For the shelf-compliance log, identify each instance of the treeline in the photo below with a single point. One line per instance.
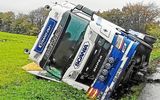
(29, 24)
(139, 17)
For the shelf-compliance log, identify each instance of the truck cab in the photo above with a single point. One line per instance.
(84, 50)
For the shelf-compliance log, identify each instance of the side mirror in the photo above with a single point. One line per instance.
(26, 51)
(47, 7)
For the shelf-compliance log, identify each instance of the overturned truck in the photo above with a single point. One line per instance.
(88, 52)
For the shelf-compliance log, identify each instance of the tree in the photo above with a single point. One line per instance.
(1, 21)
(137, 16)
(114, 15)
(6, 21)
(21, 25)
(153, 29)
(134, 16)
(38, 17)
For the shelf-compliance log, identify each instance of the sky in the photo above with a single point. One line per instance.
(25, 6)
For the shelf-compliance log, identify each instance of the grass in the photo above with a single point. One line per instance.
(154, 60)
(155, 57)
(16, 84)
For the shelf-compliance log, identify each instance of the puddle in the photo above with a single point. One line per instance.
(150, 92)
(152, 89)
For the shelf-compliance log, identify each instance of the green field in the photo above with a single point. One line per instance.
(16, 84)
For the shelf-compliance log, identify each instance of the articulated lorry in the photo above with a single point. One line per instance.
(79, 48)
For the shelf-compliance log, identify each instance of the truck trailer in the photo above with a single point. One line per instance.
(80, 48)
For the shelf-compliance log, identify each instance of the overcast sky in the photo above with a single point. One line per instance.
(25, 6)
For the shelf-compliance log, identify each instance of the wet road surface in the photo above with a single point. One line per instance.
(151, 90)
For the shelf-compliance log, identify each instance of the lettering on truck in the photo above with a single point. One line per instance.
(45, 35)
(81, 54)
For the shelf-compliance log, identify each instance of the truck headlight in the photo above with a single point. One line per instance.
(104, 72)
(111, 60)
(101, 78)
(107, 66)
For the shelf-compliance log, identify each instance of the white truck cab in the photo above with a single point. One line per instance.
(84, 50)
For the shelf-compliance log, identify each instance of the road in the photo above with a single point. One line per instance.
(151, 91)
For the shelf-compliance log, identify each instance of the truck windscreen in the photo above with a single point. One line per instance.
(69, 42)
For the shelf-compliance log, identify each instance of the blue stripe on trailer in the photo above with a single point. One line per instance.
(116, 65)
(129, 55)
(133, 49)
(114, 40)
(118, 62)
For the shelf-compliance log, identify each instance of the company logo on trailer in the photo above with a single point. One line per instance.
(81, 54)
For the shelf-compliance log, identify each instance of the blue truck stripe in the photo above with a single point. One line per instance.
(45, 35)
(117, 54)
